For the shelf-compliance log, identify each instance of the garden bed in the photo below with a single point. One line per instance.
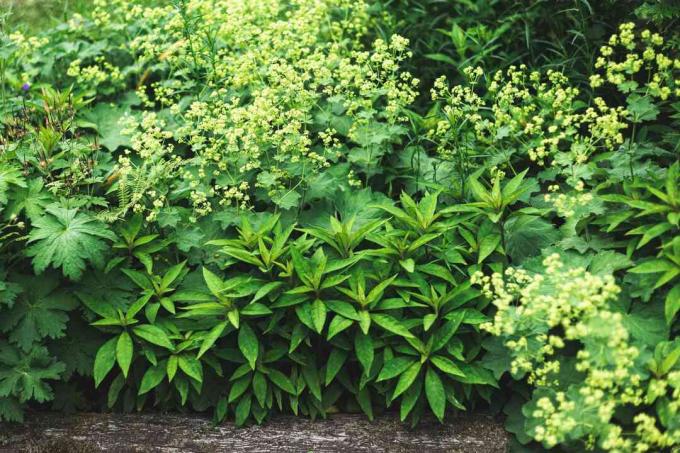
(259, 209)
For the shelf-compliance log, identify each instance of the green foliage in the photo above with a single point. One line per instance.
(23, 376)
(260, 207)
(303, 320)
(66, 238)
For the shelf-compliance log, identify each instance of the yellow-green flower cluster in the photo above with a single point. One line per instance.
(461, 106)
(262, 73)
(635, 59)
(21, 48)
(139, 180)
(566, 203)
(95, 74)
(27, 45)
(537, 315)
(532, 114)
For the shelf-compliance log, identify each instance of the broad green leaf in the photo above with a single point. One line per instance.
(234, 318)
(364, 321)
(514, 188)
(255, 309)
(31, 199)
(298, 335)
(652, 266)
(182, 386)
(448, 329)
(410, 398)
(301, 267)
(343, 308)
(311, 376)
(172, 274)
(408, 264)
(376, 293)
(137, 306)
(287, 199)
(66, 238)
(527, 235)
(243, 255)
(107, 118)
(428, 320)
(239, 386)
(670, 360)
(114, 390)
(364, 400)
(266, 289)
(37, 311)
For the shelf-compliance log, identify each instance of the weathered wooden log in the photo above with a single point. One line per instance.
(163, 433)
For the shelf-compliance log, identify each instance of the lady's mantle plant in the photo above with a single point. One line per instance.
(591, 379)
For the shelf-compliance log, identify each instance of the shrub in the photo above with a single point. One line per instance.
(337, 317)
(593, 370)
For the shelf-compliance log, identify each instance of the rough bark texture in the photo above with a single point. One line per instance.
(56, 433)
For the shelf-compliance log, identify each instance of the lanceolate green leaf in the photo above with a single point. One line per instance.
(124, 351)
(391, 324)
(318, 314)
(410, 398)
(215, 284)
(672, 305)
(104, 361)
(243, 409)
(363, 346)
(154, 335)
(191, 367)
(436, 395)
(212, 337)
(406, 379)
(447, 366)
(281, 381)
(260, 388)
(395, 367)
(248, 344)
(336, 360)
(152, 378)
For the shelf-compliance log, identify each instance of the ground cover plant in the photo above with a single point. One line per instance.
(253, 207)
